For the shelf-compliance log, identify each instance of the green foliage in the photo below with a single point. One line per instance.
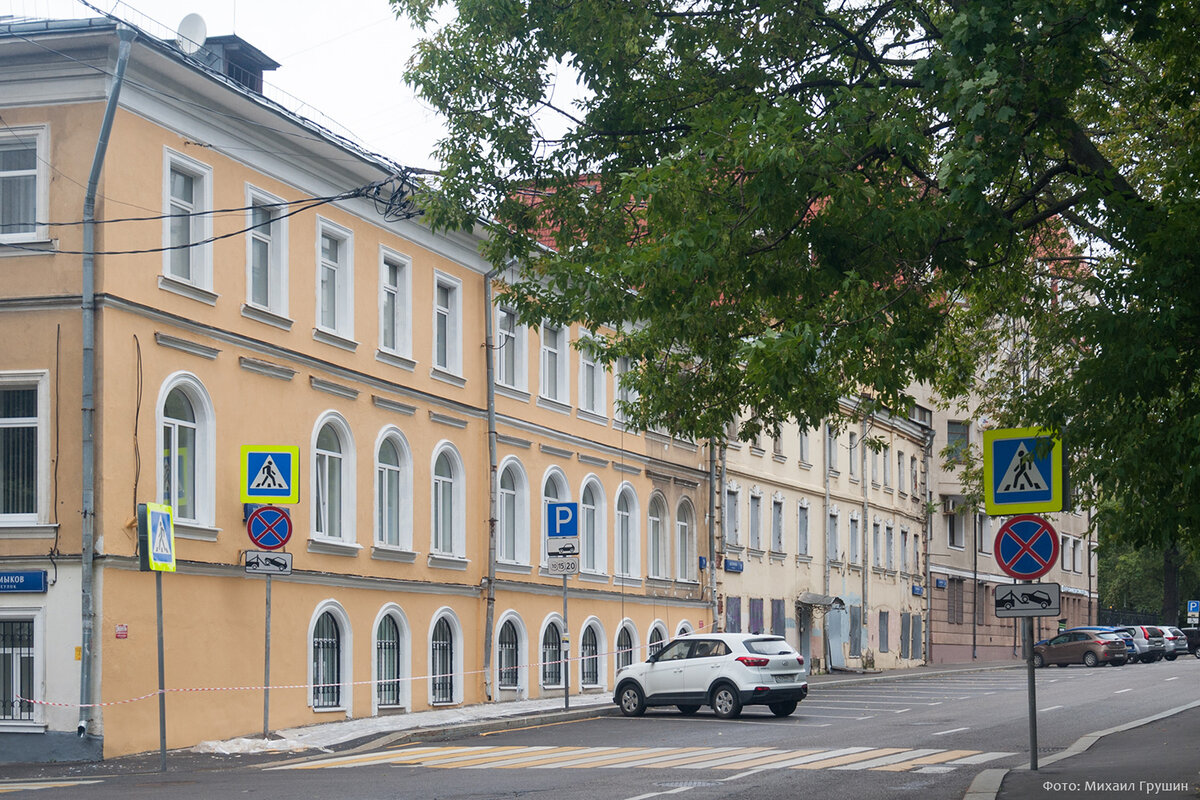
(768, 206)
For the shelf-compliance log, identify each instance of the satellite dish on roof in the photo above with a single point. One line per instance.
(192, 33)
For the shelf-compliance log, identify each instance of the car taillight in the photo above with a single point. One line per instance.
(751, 661)
(800, 660)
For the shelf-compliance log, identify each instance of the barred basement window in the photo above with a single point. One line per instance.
(656, 640)
(590, 658)
(508, 656)
(387, 663)
(327, 663)
(443, 662)
(624, 648)
(16, 669)
(552, 657)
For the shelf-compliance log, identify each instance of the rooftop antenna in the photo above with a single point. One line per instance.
(192, 33)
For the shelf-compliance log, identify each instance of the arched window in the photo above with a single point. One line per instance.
(387, 663)
(656, 539)
(507, 539)
(685, 545)
(443, 505)
(443, 662)
(624, 648)
(388, 494)
(329, 474)
(657, 639)
(327, 662)
(187, 472)
(589, 531)
(589, 653)
(552, 671)
(507, 655)
(626, 534)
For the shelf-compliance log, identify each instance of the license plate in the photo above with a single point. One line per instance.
(788, 678)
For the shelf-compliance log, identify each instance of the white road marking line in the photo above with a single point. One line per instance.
(939, 770)
(952, 730)
(982, 758)
(720, 762)
(1122, 691)
(938, 703)
(676, 754)
(908, 755)
(1051, 708)
(660, 794)
(902, 710)
(1172, 679)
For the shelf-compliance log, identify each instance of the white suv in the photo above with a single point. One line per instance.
(722, 670)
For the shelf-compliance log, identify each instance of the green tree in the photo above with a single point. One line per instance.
(776, 204)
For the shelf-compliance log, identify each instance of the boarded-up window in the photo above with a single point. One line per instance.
(778, 617)
(855, 631)
(756, 615)
(733, 614)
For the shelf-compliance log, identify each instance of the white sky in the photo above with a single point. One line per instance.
(344, 58)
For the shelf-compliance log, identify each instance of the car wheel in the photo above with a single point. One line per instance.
(1089, 659)
(633, 702)
(1039, 660)
(783, 709)
(1119, 663)
(1171, 657)
(725, 702)
(687, 711)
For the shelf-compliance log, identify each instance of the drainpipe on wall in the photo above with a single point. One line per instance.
(825, 529)
(88, 406)
(974, 583)
(717, 626)
(928, 458)
(712, 529)
(490, 359)
(866, 525)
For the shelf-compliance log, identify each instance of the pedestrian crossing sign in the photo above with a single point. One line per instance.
(270, 475)
(156, 538)
(1023, 472)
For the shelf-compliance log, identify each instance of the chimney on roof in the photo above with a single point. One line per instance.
(237, 59)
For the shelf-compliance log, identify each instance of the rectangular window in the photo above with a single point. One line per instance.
(733, 615)
(778, 617)
(1077, 556)
(954, 600)
(916, 561)
(912, 475)
(755, 522)
(804, 447)
(777, 526)
(23, 443)
(875, 467)
(591, 382)
(510, 345)
(266, 253)
(853, 455)
(187, 223)
(626, 394)
(395, 327)
(886, 457)
(855, 556)
(954, 531)
(875, 550)
(335, 279)
(903, 550)
(957, 440)
(1064, 550)
(831, 453)
(447, 329)
(24, 184)
(831, 539)
(884, 623)
(554, 372)
(855, 631)
(802, 530)
(730, 518)
(756, 615)
(889, 547)
(980, 602)
(900, 465)
(17, 669)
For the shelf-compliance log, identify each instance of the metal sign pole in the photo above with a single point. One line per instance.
(1027, 628)
(267, 666)
(162, 695)
(566, 652)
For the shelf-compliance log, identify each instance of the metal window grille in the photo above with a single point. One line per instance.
(656, 641)
(552, 657)
(508, 656)
(387, 663)
(16, 669)
(624, 648)
(590, 654)
(327, 663)
(443, 662)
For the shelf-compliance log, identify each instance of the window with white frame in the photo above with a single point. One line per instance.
(447, 324)
(890, 546)
(589, 657)
(24, 447)
(187, 222)
(656, 539)
(591, 381)
(186, 438)
(831, 448)
(389, 661)
(853, 454)
(591, 529)
(626, 394)
(24, 183)
(335, 279)
(755, 522)
(831, 538)
(916, 561)
(685, 543)
(855, 555)
(554, 363)
(804, 447)
(1077, 556)
(554, 490)
(626, 534)
(333, 481)
(395, 315)
(624, 647)
(900, 465)
(914, 486)
(552, 654)
(904, 549)
(443, 659)
(328, 662)
(448, 536)
(658, 638)
(510, 349)
(958, 440)
(393, 493)
(266, 253)
(886, 457)
(512, 535)
(729, 518)
(20, 667)
(954, 531)
(1064, 549)
(802, 528)
(508, 655)
(777, 524)
(876, 551)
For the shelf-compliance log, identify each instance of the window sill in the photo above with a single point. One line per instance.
(659, 581)
(28, 247)
(592, 577)
(395, 360)
(333, 547)
(755, 450)
(200, 533)
(439, 374)
(332, 710)
(626, 580)
(266, 317)
(334, 339)
(803, 559)
(27, 530)
(733, 547)
(590, 416)
(779, 458)
(550, 404)
(775, 555)
(22, 726)
(512, 392)
(804, 464)
(514, 568)
(444, 561)
(188, 290)
(387, 552)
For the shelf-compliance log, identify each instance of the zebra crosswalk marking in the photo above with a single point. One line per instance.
(981, 758)
(771, 760)
(478, 757)
(593, 754)
(885, 761)
(748, 752)
(932, 758)
(23, 787)
(850, 759)
(546, 754)
(676, 757)
(391, 756)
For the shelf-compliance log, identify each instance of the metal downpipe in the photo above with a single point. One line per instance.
(490, 359)
(88, 405)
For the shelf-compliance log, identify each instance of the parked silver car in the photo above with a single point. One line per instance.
(1148, 641)
(1175, 642)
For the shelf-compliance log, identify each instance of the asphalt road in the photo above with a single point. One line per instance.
(917, 736)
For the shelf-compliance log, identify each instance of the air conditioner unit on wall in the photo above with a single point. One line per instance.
(950, 505)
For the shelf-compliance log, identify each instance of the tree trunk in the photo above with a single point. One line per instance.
(1170, 606)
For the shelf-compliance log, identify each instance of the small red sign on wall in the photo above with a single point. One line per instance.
(122, 631)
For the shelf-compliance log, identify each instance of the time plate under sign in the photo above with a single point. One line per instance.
(562, 565)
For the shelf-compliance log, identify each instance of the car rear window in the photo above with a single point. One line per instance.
(1153, 631)
(769, 647)
(1103, 635)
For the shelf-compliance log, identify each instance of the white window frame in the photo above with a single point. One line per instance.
(343, 280)
(777, 523)
(886, 457)
(802, 528)
(593, 401)
(39, 380)
(855, 547)
(40, 136)
(831, 448)
(36, 615)
(275, 235)
(456, 643)
(627, 559)
(553, 374)
(347, 474)
(876, 548)
(399, 317)
(206, 443)
(553, 477)
(755, 542)
(403, 474)
(521, 668)
(600, 539)
(621, 393)
(900, 472)
(514, 342)
(685, 541)
(520, 501)
(730, 523)
(346, 663)
(457, 480)
(853, 455)
(404, 642)
(889, 537)
(658, 546)
(452, 314)
(904, 549)
(200, 268)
